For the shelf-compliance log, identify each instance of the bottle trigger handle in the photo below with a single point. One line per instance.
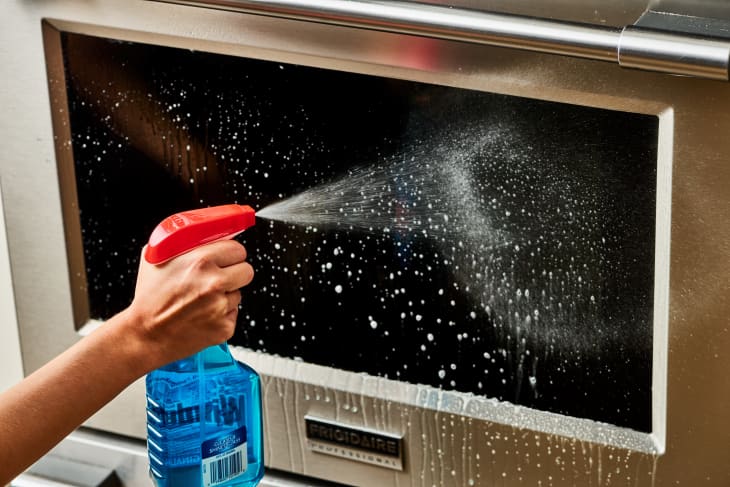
(182, 232)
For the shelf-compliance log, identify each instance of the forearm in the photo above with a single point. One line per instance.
(40, 411)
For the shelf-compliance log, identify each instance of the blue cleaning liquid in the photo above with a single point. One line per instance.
(204, 424)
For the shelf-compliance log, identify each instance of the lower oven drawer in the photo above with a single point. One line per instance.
(88, 458)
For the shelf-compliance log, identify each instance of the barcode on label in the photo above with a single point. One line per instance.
(223, 469)
(224, 457)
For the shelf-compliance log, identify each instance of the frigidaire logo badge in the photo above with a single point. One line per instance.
(356, 444)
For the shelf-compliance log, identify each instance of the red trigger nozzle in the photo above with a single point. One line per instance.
(184, 231)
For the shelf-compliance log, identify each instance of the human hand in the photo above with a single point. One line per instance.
(190, 302)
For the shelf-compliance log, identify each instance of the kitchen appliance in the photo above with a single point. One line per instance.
(535, 292)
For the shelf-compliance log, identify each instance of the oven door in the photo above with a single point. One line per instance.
(561, 417)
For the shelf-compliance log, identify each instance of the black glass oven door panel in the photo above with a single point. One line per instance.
(487, 244)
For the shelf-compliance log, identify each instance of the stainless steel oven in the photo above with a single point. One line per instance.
(503, 259)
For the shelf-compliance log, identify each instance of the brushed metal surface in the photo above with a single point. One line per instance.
(530, 33)
(661, 51)
(447, 443)
(667, 50)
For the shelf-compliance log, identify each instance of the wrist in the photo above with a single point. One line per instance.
(126, 331)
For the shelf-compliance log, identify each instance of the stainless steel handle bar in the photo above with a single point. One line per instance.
(671, 52)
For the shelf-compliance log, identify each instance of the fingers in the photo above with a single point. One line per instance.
(221, 265)
(236, 276)
(231, 271)
(224, 253)
(234, 299)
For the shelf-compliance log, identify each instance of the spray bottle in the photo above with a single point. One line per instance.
(204, 421)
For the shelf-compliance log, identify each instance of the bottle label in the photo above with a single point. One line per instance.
(224, 457)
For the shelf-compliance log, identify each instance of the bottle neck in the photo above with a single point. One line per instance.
(214, 356)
